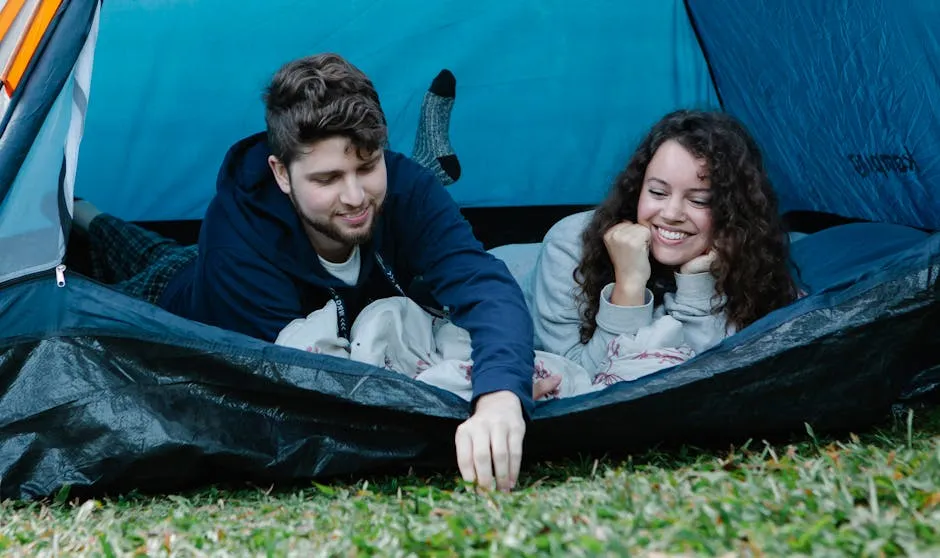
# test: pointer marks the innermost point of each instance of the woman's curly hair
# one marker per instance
(751, 269)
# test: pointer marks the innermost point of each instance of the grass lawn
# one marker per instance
(870, 495)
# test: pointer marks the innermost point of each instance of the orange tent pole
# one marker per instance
(8, 15)
(30, 42)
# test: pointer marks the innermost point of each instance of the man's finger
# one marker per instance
(516, 435)
(499, 445)
(464, 443)
(482, 460)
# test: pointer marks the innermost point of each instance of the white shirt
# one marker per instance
(348, 271)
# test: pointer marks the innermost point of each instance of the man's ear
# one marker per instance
(281, 174)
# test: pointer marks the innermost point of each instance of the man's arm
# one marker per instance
(476, 287)
(483, 298)
(240, 294)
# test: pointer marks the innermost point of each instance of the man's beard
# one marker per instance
(330, 230)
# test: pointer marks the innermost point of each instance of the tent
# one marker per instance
(132, 103)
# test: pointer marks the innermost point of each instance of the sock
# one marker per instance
(82, 214)
(432, 143)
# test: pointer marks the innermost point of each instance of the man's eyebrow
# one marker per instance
(323, 174)
(329, 173)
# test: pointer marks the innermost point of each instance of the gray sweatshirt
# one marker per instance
(550, 292)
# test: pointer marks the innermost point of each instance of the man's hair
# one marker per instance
(319, 97)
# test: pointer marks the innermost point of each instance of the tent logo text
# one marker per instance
(883, 163)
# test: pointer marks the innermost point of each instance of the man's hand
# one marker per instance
(491, 441)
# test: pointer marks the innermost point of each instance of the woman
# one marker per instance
(686, 249)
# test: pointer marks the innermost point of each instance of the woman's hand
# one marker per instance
(628, 245)
(701, 264)
(543, 387)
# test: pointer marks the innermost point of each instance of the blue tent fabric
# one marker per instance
(58, 52)
(840, 96)
(537, 88)
(38, 145)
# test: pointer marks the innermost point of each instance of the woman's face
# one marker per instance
(675, 205)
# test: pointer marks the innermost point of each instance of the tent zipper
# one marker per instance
(59, 271)
(60, 275)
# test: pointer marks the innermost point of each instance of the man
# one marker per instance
(316, 209)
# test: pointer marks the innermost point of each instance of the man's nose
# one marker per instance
(352, 194)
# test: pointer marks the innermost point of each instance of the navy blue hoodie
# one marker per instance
(257, 270)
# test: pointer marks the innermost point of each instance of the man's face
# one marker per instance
(336, 194)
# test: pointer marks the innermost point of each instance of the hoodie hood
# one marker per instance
(265, 219)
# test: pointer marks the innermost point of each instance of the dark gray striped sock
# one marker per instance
(432, 147)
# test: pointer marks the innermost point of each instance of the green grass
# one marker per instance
(872, 495)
